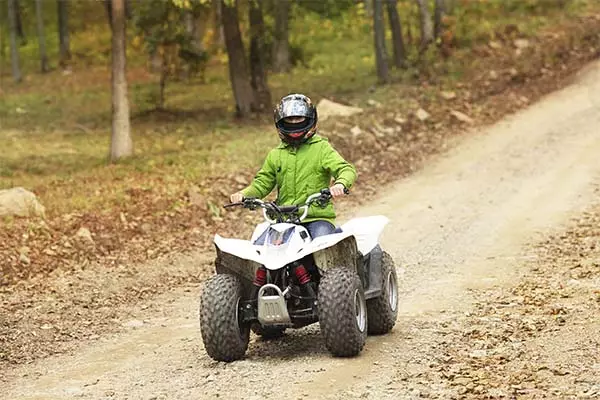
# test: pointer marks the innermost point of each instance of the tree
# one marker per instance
(44, 66)
(440, 11)
(19, 23)
(170, 39)
(426, 25)
(379, 35)
(281, 41)
(121, 143)
(14, 50)
(397, 37)
(258, 75)
(63, 32)
(238, 70)
(218, 33)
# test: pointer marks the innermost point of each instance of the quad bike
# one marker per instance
(343, 280)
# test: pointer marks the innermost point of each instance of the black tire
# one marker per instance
(267, 333)
(383, 310)
(342, 312)
(225, 337)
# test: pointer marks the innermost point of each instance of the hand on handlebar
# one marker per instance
(236, 197)
(337, 190)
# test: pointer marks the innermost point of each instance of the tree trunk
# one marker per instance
(281, 41)
(397, 37)
(258, 74)
(121, 144)
(41, 36)
(380, 51)
(238, 69)
(218, 31)
(14, 49)
(426, 25)
(63, 32)
(440, 11)
(19, 21)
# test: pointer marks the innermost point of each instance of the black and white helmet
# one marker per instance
(295, 119)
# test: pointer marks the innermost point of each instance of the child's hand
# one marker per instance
(236, 197)
(337, 190)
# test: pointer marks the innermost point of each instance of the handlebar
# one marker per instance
(285, 213)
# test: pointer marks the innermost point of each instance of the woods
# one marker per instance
(182, 42)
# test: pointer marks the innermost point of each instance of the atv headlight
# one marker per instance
(279, 238)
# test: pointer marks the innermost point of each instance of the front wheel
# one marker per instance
(383, 309)
(224, 334)
(342, 312)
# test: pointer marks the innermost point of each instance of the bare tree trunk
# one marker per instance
(426, 24)
(281, 41)
(383, 72)
(440, 11)
(63, 32)
(397, 37)
(14, 49)
(238, 69)
(258, 74)
(41, 36)
(19, 20)
(218, 31)
(121, 143)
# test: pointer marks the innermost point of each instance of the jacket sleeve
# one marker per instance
(264, 181)
(342, 171)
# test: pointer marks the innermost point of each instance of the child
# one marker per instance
(303, 164)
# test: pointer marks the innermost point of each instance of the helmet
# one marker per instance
(295, 119)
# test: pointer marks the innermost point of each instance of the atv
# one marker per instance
(342, 280)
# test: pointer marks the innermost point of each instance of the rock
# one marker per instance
(399, 119)
(521, 44)
(24, 259)
(422, 115)
(21, 203)
(328, 108)
(83, 238)
(373, 103)
(495, 45)
(356, 131)
(493, 75)
(461, 117)
(448, 95)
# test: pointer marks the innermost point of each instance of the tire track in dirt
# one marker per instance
(457, 225)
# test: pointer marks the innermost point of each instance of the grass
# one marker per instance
(56, 127)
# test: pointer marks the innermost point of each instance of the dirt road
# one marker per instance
(459, 225)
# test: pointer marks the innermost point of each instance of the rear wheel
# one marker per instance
(342, 312)
(224, 334)
(383, 310)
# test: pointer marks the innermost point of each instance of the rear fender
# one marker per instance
(343, 254)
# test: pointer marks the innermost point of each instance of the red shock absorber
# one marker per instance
(260, 278)
(302, 274)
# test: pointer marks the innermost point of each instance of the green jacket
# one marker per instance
(300, 172)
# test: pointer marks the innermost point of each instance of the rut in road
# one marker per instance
(458, 224)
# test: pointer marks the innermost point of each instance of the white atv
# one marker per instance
(342, 280)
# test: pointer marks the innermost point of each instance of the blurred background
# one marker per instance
(130, 121)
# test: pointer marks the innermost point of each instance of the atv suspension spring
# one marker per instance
(302, 274)
(260, 278)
